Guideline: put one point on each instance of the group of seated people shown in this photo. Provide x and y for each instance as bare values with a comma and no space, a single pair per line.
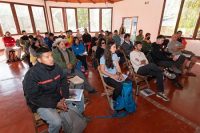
54,58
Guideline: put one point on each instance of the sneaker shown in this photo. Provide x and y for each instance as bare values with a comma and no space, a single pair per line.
162,96
169,75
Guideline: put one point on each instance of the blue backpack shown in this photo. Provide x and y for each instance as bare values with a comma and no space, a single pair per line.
125,100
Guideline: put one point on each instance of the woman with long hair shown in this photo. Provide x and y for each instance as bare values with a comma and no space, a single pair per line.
100,48
79,49
111,70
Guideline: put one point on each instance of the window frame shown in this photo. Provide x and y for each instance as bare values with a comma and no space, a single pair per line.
65,17
31,17
178,20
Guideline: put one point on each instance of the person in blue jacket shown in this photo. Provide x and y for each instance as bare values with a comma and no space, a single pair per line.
79,50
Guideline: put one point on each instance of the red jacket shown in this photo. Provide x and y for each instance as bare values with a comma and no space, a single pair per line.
9,41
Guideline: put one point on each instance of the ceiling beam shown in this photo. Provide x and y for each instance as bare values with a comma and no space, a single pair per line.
93,1
79,1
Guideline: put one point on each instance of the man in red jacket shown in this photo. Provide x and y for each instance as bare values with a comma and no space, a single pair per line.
9,43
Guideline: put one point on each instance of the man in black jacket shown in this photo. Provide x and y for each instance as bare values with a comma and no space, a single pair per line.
86,39
45,88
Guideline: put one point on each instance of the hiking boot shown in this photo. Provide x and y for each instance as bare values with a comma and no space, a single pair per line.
162,96
169,75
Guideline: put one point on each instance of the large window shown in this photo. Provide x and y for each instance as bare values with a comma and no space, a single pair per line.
106,19
189,17
39,18
23,17
94,20
5,17
57,17
170,17
82,16
71,19
181,15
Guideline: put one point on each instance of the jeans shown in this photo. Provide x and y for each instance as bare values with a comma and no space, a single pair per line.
153,70
53,118
87,86
83,60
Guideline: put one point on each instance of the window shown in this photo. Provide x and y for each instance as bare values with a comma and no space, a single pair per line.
181,15
82,16
57,17
106,19
39,18
5,17
130,25
198,33
71,19
170,17
94,20
189,17
23,17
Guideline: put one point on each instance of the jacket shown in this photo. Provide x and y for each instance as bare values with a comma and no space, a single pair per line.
158,54
78,49
9,41
60,60
127,48
43,86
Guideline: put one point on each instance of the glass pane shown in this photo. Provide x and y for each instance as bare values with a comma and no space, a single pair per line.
198,33
170,17
127,24
23,17
94,20
5,17
82,15
71,19
106,19
134,28
189,17
39,18
57,18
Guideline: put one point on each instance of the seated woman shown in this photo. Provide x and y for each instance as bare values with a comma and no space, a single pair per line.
100,49
111,70
143,67
32,49
79,49
9,43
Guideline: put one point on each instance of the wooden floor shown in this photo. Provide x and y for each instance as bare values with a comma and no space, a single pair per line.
180,115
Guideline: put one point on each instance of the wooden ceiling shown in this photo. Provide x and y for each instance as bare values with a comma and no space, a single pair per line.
86,1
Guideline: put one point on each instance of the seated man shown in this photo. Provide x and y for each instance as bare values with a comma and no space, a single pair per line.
127,46
177,49
45,89
140,36
142,67
146,44
9,43
67,61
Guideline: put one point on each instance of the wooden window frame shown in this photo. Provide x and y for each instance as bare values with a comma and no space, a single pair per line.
31,17
63,14
76,16
178,20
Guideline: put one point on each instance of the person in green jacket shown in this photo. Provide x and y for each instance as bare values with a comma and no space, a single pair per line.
146,44
140,36
67,61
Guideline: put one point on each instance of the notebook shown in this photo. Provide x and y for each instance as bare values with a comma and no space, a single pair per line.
75,95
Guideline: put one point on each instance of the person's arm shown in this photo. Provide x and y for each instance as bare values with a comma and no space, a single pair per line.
34,94
72,58
64,87
82,48
134,60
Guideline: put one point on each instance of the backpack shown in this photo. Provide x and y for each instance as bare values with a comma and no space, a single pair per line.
125,100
